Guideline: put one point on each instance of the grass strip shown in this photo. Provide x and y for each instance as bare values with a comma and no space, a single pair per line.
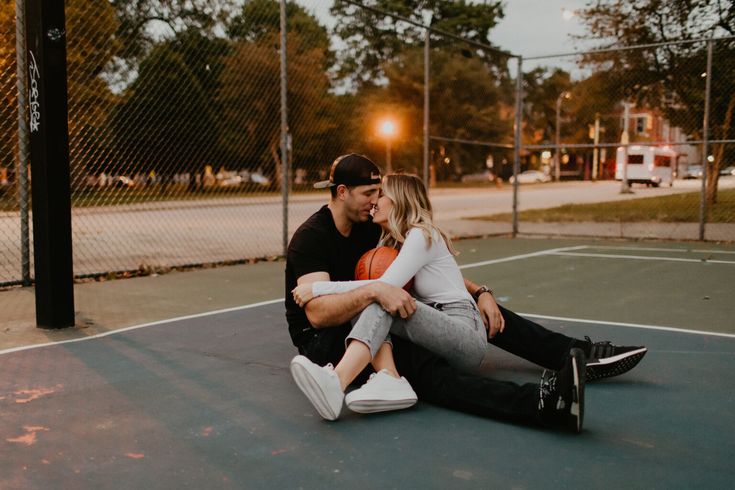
674,208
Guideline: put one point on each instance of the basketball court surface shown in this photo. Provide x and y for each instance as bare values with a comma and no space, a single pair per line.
204,398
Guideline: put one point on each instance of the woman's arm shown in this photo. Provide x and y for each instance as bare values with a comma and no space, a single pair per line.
412,257
336,309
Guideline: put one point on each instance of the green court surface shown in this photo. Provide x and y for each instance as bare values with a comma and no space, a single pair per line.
195,392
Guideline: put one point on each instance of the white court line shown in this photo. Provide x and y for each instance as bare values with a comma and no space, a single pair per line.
554,251
631,325
644,249
715,251
644,257
550,251
144,325
653,249
274,301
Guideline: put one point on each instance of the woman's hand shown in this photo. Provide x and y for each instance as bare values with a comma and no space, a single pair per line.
303,293
491,316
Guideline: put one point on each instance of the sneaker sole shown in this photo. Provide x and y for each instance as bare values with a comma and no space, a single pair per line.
374,406
614,366
313,391
577,408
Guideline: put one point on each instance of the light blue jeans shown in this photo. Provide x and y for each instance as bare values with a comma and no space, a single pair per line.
454,331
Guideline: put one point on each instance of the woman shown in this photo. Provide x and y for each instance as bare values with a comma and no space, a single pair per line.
446,320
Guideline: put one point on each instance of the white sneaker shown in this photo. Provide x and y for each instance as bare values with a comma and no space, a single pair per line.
381,393
320,385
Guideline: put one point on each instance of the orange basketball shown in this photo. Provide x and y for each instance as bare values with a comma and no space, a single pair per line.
374,263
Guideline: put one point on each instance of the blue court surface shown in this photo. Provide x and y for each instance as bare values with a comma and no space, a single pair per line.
207,401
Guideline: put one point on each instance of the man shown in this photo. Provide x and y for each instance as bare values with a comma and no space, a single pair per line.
327,247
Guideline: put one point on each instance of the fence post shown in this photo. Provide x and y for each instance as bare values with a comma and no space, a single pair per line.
705,141
48,104
284,129
21,166
427,42
517,142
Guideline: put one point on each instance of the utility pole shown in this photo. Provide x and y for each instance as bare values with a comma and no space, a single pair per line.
624,140
596,151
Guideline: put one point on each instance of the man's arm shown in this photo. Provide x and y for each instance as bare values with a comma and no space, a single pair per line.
491,316
337,309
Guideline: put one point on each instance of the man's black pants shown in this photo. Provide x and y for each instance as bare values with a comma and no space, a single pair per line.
435,381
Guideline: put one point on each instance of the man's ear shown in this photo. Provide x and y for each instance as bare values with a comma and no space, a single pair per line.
341,191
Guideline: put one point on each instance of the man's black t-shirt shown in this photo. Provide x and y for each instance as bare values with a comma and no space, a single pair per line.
317,246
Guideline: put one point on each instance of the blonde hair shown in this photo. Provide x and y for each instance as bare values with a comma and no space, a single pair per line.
411,209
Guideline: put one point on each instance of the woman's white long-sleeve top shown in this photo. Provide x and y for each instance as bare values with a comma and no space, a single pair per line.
437,278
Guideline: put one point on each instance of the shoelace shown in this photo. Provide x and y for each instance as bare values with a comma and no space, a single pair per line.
600,349
546,387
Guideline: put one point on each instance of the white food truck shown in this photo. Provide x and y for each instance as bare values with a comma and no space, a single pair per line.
650,165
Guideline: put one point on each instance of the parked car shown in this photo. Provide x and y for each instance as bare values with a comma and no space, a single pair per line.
122,182
730,170
478,177
260,179
230,181
531,177
693,172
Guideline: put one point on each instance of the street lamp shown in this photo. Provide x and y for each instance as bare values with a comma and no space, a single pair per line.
388,131
557,170
624,140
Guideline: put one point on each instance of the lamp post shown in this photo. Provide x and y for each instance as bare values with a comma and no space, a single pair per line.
388,131
624,140
557,170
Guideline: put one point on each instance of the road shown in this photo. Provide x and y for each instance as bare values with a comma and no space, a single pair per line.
178,233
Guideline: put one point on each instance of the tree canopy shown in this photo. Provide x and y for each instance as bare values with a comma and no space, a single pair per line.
166,123
372,39
671,77
250,101
8,92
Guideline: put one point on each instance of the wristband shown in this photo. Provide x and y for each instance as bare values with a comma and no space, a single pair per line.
480,291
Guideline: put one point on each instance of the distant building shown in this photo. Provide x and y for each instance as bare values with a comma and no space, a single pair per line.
650,125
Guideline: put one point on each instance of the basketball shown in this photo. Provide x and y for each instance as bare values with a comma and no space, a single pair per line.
374,263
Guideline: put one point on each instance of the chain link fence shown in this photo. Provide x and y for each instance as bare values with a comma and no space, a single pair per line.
654,98
176,140
11,242
472,116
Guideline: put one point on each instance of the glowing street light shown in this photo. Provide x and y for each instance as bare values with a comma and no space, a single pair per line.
568,14
388,131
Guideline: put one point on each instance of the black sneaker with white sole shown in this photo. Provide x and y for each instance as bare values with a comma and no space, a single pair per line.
605,359
561,394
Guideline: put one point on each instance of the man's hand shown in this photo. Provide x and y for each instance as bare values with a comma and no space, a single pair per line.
394,300
491,316
303,293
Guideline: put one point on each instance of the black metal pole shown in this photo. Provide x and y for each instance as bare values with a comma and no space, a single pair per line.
517,142
50,175
285,163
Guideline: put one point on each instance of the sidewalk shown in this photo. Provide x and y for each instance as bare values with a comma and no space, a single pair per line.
718,232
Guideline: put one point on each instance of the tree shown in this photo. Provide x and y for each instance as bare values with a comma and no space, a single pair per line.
261,19
541,89
250,101
136,16
91,45
372,39
8,91
670,77
165,123
476,111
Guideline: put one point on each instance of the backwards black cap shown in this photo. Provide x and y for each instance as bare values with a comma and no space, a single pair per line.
351,170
